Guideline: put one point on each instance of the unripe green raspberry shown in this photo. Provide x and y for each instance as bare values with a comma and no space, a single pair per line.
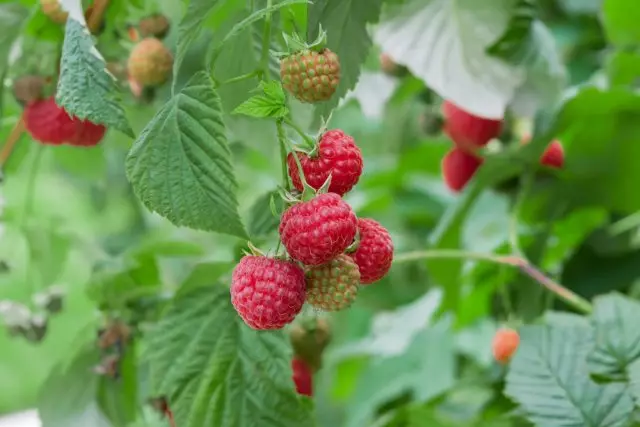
333,286
311,76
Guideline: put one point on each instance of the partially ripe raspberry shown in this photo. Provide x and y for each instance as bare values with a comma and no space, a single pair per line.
505,344
317,231
333,286
267,293
458,167
311,76
466,130
156,25
49,123
302,377
150,62
338,155
375,252
54,11
87,134
553,155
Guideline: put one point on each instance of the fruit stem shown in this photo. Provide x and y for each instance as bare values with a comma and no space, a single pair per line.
13,137
285,141
523,265
97,13
266,40
526,181
307,139
282,139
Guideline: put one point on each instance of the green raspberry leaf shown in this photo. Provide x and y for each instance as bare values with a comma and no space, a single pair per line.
549,378
271,104
345,22
85,89
180,165
513,45
216,371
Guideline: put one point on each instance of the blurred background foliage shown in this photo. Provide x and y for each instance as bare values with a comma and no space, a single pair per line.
69,218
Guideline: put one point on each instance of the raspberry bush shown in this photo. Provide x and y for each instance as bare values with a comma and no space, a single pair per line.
338,213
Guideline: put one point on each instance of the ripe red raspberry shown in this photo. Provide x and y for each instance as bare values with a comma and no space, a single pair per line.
49,123
302,377
458,167
338,155
267,293
553,155
333,286
375,252
317,231
87,133
466,130
505,344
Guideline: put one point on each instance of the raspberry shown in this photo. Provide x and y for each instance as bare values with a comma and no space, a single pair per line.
316,231
553,155
28,89
309,339
156,25
338,155
87,133
458,167
150,62
54,11
390,67
333,286
311,76
375,252
267,293
302,377
466,130
49,123
505,344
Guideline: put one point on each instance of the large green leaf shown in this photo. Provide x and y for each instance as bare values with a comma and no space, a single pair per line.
180,165
345,22
85,89
189,29
445,44
426,369
216,371
549,379
620,19
634,381
617,340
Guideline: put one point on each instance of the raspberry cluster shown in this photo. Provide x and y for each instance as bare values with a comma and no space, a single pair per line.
50,124
331,252
469,133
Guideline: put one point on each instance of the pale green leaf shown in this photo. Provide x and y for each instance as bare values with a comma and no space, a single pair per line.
85,88
12,16
270,104
549,379
512,44
180,165
617,336
262,219
189,29
620,20
216,371
445,43
345,22
634,381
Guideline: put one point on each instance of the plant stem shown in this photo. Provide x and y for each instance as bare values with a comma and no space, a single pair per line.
239,78
282,139
307,139
13,137
285,141
31,183
563,293
266,43
96,16
525,186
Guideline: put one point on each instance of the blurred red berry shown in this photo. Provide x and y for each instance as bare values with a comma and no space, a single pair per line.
505,344
458,167
49,123
466,130
375,251
302,377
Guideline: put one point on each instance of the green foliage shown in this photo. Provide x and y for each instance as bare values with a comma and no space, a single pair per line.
85,89
186,141
222,375
270,104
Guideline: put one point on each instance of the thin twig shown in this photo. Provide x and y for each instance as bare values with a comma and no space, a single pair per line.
97,13
307,139
525,267
10,143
